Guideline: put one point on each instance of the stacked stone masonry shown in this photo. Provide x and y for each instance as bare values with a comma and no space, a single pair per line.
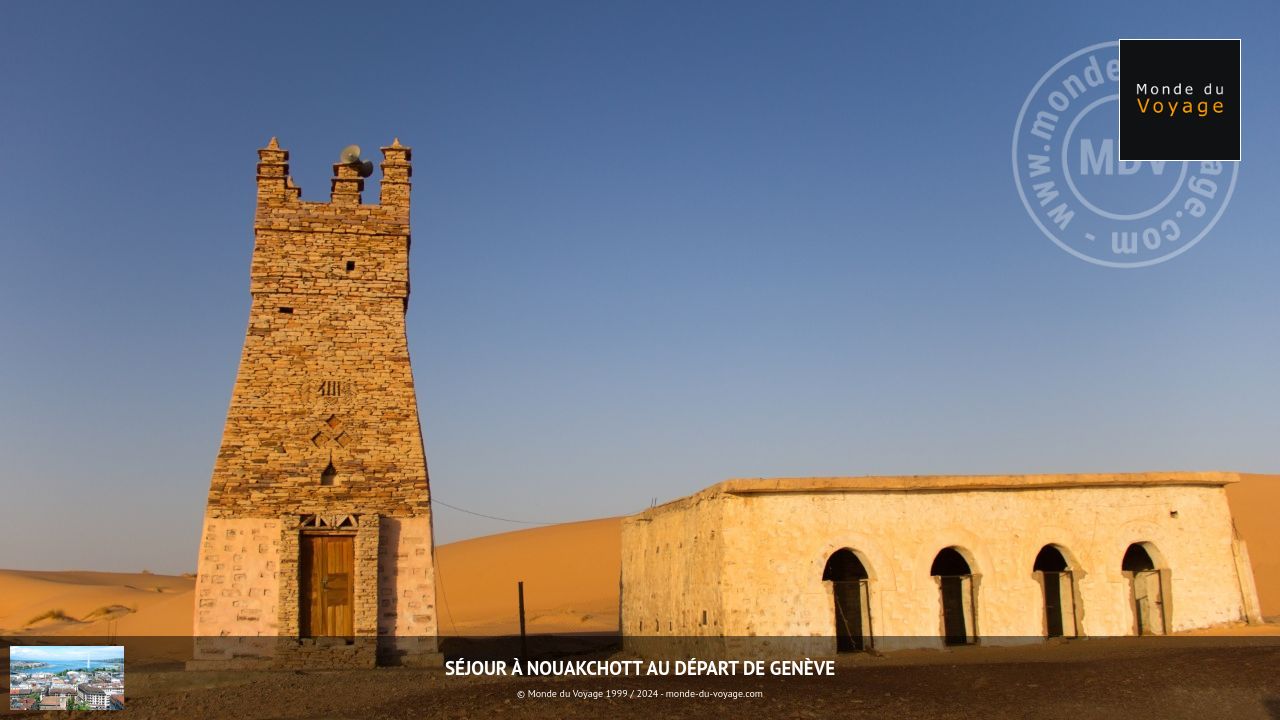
322,434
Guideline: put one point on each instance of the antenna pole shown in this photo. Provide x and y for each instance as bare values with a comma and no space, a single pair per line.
524,647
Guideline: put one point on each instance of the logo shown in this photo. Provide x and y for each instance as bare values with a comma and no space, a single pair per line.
1107,211
1180,100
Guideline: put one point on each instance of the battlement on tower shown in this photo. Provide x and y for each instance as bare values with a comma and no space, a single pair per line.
341,246
276,188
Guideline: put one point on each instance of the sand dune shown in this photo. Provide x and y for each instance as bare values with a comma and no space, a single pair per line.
570,575
94,603
1255,505
570,571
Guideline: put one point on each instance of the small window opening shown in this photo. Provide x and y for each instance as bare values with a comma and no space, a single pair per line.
327,477
351,265
286,310
704,617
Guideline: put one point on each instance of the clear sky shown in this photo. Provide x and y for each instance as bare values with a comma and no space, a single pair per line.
55,653
656,245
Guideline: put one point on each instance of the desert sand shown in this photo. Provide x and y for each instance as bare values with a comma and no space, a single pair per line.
571,574
1255,505
82,603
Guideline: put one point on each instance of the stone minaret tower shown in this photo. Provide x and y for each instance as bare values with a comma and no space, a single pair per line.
317,544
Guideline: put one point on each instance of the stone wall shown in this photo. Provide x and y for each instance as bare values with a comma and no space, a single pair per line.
773,547
407,618
237,587
673,569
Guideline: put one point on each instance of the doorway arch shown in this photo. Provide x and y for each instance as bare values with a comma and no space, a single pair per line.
1057,579
1149,588
955,586
851,596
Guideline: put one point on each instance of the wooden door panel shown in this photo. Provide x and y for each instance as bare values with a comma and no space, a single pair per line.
1053,603
1068,605
328,593
848,614
1150,603
954,612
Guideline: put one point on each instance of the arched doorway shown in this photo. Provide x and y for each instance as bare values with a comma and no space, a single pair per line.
850,589
1055,575
955,584
1149,588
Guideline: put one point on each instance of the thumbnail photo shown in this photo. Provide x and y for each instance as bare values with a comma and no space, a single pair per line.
66,677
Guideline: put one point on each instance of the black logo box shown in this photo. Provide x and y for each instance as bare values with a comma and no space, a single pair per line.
1208,133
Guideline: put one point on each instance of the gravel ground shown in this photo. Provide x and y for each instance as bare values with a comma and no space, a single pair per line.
1115,678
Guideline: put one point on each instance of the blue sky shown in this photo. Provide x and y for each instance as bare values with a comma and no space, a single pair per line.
52,653
656,246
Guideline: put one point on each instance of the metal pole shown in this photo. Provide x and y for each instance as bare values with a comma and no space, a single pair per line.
524,647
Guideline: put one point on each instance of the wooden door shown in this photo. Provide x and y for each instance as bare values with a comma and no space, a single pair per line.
328,586
1052,603
1068,604
970,622
956,613
1148,602
849,614
864,605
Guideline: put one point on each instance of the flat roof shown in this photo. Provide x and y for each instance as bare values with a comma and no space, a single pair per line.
947,483
926,483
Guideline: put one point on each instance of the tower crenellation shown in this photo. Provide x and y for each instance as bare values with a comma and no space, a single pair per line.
346,185
273,173
397,172
277,190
